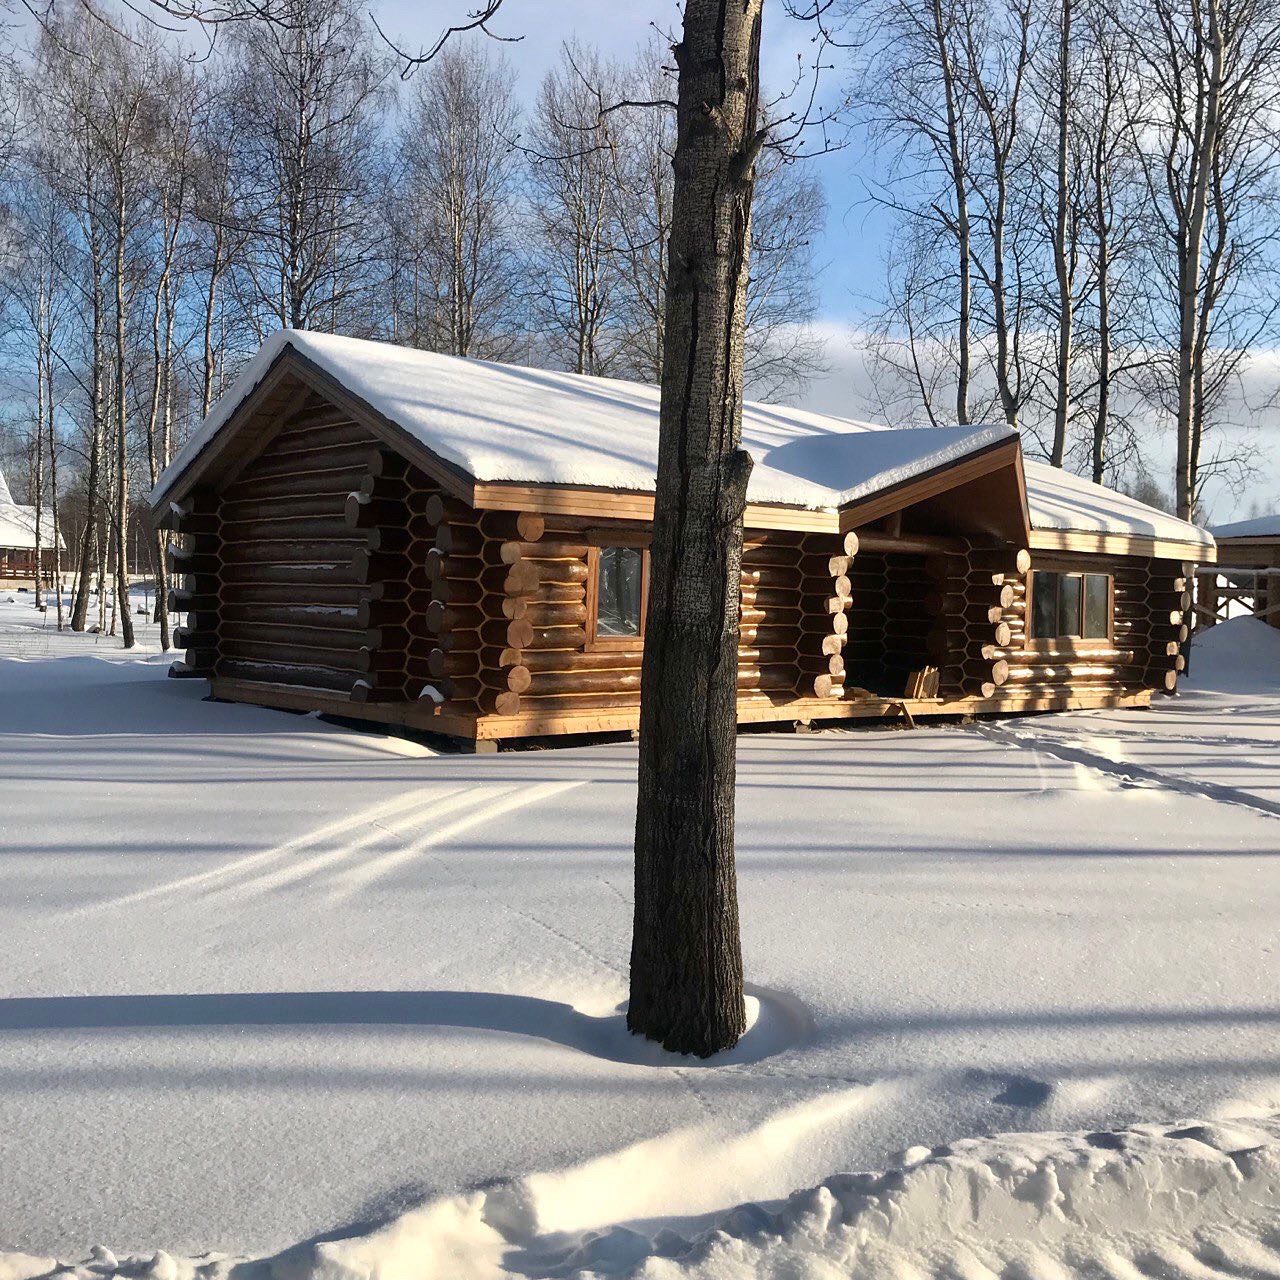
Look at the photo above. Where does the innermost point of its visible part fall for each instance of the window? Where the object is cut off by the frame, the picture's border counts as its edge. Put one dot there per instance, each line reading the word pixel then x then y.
pixel 619 593
pixel 1070 606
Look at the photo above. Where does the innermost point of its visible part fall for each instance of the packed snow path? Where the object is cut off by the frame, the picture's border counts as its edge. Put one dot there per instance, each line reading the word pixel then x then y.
pixel 1065 923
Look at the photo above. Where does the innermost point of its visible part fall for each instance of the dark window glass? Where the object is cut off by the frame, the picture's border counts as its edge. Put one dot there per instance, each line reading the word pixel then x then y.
pixel 1044 604
pixel 1097 606
pixel 1069 605
pixel 618 610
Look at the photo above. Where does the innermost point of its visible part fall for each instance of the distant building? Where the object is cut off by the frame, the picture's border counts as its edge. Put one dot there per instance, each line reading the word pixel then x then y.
pixel 450 544
pixel 1246 579
pixel 18 549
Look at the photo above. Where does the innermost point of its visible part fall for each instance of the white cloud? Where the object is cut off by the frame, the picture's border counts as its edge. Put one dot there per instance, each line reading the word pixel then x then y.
pixel 847 389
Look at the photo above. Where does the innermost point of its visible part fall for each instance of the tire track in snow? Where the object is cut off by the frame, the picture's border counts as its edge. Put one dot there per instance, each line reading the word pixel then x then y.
pixel 506 800
pixel 328 852
pixel 246 865
pixel 1129 772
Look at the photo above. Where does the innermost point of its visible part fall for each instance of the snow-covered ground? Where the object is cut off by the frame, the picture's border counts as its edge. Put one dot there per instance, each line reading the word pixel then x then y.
pixel 269 986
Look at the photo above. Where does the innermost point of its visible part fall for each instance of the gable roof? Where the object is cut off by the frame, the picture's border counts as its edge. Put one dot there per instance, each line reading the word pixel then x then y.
pixel 498 423
pixel 505 423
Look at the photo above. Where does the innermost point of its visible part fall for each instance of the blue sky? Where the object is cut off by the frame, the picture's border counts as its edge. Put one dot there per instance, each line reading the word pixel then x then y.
pixel 850 256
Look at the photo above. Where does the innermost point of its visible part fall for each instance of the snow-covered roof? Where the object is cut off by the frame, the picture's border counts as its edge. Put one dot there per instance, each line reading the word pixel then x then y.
pixel 18 526
pixel 1258 527
pixel 506 423
pixel 18 523
pixel 501 422
pixel 1061 501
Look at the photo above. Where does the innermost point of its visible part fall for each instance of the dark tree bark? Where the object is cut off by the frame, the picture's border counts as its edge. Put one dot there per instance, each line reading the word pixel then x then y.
pixel 686 957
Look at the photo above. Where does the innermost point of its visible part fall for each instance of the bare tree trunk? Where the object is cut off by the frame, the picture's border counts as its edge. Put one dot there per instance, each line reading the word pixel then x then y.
pixel 1189 270
pixel 41 357
pixel 53 494
pixel 80 606
pixel 1062 256
pixel 686 957
pixel 964 264
pixel 122 453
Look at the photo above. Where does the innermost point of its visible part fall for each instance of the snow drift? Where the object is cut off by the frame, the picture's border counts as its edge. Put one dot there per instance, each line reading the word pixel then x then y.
pixel 1195 1199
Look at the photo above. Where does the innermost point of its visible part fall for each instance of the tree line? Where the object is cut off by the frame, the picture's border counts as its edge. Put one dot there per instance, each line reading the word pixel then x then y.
pixel 163 213
pixel 1083 196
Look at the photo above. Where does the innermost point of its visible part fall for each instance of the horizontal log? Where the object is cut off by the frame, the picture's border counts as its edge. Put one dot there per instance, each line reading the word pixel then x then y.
pixel 440 508
pixel 305 615
pixel 827 686
pixel 342 457
pixel 280 652
pixel 460 540
pixel 324 431
pixel 781 677
pixel 514 526
pixel 770 598
pixel 1000 559
pixel 382 613
pixel 181 601
pixel 1065 673
pixel 817 664
pixel 335 595
pixel 301 675
pixel 1049 689
pixel 291 552
pixel 546 613
pixel 771 576
pixel 181 560
pixel 390 540
pixel 328 637
pixel 552 637
pixel 568 660
pixel 381 662
pixel 201 661
pixel 1055 656
pixel 190 638
pixel 500 702
pixel 545 549
pixel 338 482
pixel 323 504
pixel 331 572
pixel 766 635
pixel 205 525
pixel 545 683
pixel 564 573
pixel 908 544
pixel 771 557
pixel 361 511
pixel 754 538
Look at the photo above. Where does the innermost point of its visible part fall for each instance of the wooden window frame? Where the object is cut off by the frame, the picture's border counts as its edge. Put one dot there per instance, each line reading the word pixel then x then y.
pixel 1076 644
pixel 597 543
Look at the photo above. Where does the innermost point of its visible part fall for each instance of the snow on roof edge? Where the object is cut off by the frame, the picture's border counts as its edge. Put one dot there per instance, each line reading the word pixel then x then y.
pixel 505 424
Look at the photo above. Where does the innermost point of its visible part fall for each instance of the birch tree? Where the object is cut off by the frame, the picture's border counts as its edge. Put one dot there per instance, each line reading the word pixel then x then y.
pixel 453 202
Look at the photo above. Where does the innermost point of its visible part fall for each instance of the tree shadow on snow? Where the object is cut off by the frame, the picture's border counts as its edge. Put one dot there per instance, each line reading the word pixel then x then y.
pixel 782 1021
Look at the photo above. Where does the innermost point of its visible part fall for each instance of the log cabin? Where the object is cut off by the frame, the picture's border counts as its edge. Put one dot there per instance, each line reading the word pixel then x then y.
pixel 20 550
pixel 458 546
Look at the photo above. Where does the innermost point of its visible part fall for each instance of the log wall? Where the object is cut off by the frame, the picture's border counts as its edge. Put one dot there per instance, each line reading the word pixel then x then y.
pixel 331 566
